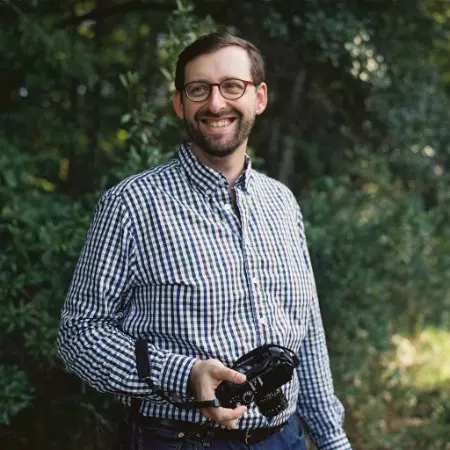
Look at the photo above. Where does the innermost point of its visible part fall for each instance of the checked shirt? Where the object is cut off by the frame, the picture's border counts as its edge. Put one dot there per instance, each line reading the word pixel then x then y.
pixel 171 257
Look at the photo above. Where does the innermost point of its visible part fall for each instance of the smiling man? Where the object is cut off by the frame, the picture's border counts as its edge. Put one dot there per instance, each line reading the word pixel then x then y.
pixel 220 115
pixel 203 261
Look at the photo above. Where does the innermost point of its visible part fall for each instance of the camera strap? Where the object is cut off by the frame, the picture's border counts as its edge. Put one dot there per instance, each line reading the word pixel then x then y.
pixel 144 371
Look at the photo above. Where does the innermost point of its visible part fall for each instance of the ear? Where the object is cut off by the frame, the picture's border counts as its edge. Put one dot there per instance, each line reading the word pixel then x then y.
pixel 261 98
pixel 178 105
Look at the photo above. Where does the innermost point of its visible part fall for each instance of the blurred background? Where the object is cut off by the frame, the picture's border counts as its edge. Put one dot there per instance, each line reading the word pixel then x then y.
pixel 357 126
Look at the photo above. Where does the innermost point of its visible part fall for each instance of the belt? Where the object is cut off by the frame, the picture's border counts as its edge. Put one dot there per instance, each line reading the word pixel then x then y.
pixel 200 431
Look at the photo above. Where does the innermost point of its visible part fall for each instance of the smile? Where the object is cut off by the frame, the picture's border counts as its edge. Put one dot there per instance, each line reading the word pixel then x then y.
pixel 222 123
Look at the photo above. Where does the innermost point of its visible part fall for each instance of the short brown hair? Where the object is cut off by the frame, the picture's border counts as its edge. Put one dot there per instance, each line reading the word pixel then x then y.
pixel 209 43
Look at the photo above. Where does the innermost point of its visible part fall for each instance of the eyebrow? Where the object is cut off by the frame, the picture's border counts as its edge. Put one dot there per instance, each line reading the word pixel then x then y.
pixel 228 77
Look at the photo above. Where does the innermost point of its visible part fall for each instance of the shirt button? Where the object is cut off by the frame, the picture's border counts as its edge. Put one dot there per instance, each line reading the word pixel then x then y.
pixel 262 321
pixel 227 207
pixel 255 280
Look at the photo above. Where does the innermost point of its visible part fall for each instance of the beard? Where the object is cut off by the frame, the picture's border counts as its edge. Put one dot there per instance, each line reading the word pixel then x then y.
pixel 220 145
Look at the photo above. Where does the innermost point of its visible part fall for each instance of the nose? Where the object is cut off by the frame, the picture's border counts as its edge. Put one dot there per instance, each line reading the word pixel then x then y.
pixel 215 100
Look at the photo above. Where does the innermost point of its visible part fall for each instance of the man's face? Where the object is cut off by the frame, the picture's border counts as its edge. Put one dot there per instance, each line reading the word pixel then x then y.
pixel 218 126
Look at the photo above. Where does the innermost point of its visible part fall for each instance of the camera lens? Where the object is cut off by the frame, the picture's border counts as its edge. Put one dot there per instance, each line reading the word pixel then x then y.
pixel 272 404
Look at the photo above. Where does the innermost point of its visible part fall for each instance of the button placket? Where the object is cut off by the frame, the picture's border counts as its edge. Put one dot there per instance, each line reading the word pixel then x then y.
pixel 247 248
pixel 258 301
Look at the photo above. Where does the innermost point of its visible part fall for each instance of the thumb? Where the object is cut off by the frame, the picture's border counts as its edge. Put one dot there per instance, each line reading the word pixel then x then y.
pixel 234 376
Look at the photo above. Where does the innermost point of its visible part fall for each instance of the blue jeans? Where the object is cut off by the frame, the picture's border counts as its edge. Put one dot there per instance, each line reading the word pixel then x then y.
pixel 289 438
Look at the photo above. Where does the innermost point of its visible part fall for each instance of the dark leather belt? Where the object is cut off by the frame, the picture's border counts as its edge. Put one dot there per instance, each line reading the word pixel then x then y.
pixel 200 431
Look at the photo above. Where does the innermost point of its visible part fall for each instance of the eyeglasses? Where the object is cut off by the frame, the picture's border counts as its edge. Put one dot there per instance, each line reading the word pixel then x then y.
pixel 231 89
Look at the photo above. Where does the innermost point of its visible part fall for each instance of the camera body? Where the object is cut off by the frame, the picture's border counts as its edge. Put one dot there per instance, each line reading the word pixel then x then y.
pixel 267 368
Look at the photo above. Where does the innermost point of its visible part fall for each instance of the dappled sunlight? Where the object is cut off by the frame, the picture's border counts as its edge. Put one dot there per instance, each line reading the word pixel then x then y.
pixel 423 360
pixel 400 398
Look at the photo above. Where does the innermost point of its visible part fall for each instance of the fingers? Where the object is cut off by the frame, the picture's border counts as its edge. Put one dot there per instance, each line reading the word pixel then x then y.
pixel 230 424
pixel 205 376
pixel 225 416
pixel 208 374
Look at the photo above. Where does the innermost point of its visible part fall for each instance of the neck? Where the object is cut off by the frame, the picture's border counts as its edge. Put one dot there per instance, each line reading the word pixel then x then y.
pixel 231 166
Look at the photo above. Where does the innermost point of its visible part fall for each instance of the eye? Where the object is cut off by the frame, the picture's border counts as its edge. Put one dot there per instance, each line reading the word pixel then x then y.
pixel 197 89
pixel 232 86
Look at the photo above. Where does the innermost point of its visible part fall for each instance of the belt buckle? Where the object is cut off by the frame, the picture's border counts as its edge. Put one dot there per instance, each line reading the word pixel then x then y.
pixel 248 435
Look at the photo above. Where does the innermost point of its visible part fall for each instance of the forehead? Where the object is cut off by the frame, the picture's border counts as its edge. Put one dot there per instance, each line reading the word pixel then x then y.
pixel 228 62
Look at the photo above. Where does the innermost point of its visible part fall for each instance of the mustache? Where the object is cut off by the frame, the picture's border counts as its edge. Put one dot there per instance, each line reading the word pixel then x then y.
pixel 210 115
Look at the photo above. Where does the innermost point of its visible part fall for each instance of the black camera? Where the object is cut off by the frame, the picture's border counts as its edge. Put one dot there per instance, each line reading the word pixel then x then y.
pixel 267 368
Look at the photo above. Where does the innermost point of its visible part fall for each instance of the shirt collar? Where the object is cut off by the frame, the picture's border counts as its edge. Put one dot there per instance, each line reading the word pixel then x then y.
pixel 208 180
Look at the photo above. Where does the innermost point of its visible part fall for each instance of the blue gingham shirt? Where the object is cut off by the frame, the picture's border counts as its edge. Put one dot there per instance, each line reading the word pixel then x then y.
pixel 170 256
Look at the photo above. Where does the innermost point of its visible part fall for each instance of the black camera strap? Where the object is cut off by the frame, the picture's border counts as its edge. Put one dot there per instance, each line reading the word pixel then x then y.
pixel 144 371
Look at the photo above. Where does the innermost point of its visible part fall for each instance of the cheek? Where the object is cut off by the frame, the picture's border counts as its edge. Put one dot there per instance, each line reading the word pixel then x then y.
pixel 243 108
pixel 190 112
pixel 250 109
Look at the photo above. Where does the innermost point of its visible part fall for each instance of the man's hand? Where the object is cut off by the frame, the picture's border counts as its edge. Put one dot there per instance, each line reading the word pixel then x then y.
pixel 206 375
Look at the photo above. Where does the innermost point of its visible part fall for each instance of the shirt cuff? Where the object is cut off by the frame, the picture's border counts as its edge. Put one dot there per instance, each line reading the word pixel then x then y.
pixel 339 443
pixel 171 372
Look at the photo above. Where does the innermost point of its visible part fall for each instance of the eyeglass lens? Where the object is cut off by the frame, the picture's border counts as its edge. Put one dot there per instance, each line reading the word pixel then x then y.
pixel 230 89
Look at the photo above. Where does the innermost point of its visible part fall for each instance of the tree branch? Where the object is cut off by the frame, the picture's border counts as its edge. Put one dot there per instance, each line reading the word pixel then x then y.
pixel 287 164
pixel 121 8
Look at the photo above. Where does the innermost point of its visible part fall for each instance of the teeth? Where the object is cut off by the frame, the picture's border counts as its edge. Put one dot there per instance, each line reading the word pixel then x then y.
pixel 219 123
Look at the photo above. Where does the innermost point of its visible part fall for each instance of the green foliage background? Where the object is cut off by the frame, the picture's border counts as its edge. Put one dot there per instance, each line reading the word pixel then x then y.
pixel 357 126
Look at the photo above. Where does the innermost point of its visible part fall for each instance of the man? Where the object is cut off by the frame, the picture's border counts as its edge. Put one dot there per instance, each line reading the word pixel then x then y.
pixel 206 259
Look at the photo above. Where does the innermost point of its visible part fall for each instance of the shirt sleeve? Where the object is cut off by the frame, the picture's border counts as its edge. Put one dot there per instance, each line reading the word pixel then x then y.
pixel 318 406
pixel 90 340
